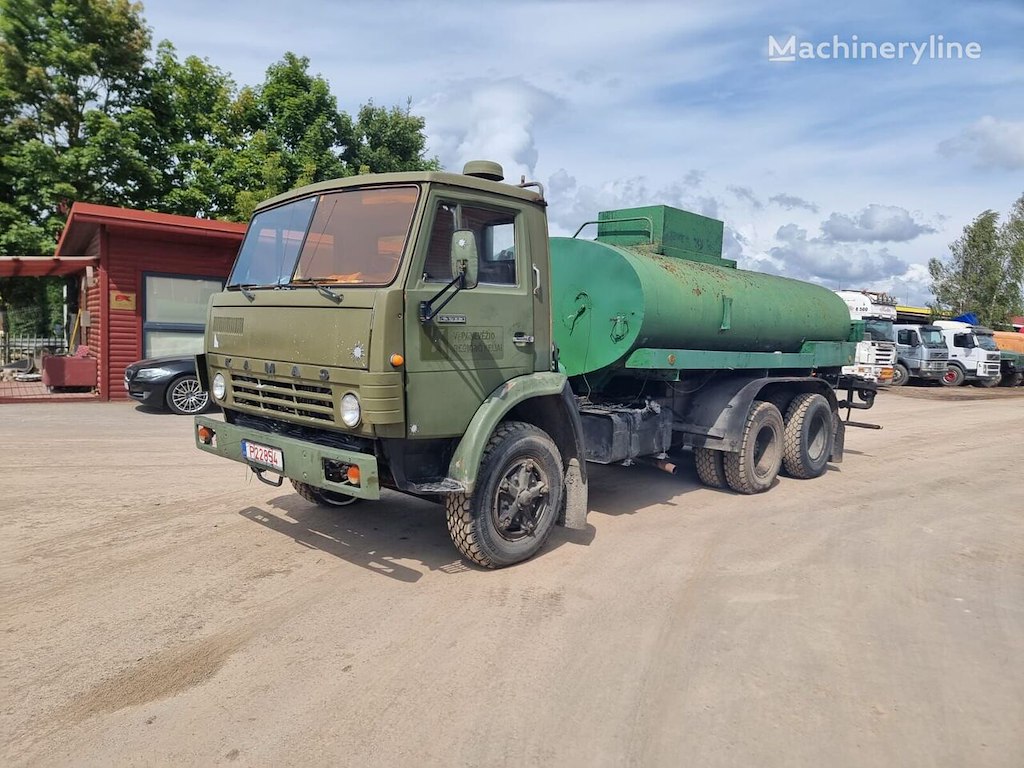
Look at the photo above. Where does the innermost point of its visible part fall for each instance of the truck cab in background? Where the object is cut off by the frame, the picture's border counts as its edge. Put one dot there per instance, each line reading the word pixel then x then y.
pixel 973 354
pixel 920 353
pixel 1011 352
pixel 876 354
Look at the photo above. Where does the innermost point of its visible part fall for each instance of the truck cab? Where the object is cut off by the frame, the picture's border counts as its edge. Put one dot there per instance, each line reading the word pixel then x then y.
pixel 920 353
pixel 875 358
pixel 973 354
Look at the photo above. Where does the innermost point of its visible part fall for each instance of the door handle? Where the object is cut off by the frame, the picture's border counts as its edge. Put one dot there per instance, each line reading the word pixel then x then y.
pixel 520 339
pixel 536 280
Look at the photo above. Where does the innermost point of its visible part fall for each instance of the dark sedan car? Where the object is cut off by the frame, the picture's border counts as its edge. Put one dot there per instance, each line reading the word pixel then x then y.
pixel 167 382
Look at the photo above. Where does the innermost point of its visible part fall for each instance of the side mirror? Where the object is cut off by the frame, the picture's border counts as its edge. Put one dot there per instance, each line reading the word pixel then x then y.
pixel 914 341
pixel 464 257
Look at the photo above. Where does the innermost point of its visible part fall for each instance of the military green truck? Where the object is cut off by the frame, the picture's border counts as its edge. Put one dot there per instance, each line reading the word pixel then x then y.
pixel 421 332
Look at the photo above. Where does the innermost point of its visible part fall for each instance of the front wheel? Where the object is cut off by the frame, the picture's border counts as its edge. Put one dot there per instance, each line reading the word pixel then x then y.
pixel 186 397
pixel 512 510
pixel 953 377
pixel 755 466
pixel 900 375
pixel 322 497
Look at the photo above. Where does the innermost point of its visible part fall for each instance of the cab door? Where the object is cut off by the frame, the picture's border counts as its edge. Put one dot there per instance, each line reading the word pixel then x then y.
pixel 484 335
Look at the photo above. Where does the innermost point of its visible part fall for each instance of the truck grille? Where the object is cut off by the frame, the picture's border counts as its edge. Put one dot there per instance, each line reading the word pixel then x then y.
pixel 885 355
pixel 311 401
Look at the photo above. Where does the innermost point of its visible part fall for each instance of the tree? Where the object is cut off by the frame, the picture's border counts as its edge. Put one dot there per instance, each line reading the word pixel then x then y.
pixel 984 272
pixel 70 77
pixel 89 113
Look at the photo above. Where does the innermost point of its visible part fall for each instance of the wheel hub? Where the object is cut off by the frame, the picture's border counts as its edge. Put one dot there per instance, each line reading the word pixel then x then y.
pixel 520 500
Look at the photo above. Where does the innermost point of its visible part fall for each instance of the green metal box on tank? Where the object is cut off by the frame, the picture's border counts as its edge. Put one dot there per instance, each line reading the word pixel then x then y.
pixel 654 280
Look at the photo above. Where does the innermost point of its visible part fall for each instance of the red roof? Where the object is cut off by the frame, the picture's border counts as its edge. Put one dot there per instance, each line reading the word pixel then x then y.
pixel 44 266
pixel 86 217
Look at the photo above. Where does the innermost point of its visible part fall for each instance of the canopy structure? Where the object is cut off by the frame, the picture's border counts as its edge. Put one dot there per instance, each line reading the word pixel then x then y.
pixel 45 266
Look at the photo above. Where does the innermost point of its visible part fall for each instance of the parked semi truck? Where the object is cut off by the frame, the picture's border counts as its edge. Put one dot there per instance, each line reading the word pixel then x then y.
pixel 1011 357
pixel 875 358
pixel 920 353
pixel 973 354
pixel 421 332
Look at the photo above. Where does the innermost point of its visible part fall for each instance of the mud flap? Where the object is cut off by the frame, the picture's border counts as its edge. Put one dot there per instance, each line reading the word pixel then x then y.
pixel 839 440
pixel 574 514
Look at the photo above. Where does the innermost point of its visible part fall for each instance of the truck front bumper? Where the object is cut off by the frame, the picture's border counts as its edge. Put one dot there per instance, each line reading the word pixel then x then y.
pixel 302 461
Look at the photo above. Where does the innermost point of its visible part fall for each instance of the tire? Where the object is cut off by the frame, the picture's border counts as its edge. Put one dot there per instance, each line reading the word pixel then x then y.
pixel 755 466
pixel 1012 379
pixel 808 436
pixel 489 527
pixel 953 377
pixel 900 375
pixel 185 396
pixel 322 497
pixel 710 467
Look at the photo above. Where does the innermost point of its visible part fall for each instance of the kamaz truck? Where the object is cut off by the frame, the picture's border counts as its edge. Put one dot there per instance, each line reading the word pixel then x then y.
pixel 875 358
pixel 973 354
pixel 920 354
pixel 421 332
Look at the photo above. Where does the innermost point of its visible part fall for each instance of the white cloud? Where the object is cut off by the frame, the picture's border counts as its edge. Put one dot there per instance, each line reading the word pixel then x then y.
pixel 487 120
pixel 874 224
pixel 992 143
pixel 821 260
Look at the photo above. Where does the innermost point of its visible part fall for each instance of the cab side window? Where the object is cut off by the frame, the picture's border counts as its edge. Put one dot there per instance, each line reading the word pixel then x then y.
pixel 495 242
pixel 903 337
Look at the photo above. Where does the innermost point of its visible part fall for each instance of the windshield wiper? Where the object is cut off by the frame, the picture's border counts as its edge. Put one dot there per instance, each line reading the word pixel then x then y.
pixel 244 289
pixel 322 289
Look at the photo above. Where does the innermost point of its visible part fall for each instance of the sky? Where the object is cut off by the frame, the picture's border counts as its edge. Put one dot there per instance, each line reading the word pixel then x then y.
pixel 849 166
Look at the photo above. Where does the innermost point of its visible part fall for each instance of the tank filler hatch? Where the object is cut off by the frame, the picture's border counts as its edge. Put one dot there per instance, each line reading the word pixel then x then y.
pixel 677 233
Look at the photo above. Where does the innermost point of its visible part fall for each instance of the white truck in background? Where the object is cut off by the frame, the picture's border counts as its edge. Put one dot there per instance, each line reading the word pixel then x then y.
pixel 875 357
pixel 973 354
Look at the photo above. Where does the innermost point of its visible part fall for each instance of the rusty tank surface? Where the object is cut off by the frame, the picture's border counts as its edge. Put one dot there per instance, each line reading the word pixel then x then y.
pixel 655 278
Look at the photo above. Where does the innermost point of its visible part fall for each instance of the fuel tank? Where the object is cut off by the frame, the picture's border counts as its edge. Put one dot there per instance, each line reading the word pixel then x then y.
pixel 664 289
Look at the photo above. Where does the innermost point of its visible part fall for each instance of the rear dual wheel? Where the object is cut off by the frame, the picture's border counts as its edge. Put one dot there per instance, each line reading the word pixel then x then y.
pixel 754 467
pixel 808 437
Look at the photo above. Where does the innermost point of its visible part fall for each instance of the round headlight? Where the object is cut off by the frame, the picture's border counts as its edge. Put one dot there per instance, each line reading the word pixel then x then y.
pixel 350 410
pixel 219 387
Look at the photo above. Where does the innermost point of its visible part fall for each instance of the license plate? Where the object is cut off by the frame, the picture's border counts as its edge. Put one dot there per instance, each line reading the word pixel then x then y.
pixel 262 454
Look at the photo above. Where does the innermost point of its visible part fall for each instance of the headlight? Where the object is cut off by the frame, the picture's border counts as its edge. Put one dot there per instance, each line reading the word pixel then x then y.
pixel 219 387
pixel 350 410
pixel 153 373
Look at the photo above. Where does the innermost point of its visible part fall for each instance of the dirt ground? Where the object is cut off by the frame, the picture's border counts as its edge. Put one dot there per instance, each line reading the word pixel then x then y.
pixel 160 607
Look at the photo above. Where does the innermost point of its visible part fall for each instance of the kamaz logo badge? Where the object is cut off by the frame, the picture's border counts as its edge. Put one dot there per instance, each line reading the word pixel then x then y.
pixel 452 319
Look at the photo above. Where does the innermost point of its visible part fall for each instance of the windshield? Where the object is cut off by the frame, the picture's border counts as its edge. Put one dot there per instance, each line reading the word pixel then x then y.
pixel 354 237
pixel 932 337
pixel 878 330
pixel 986 341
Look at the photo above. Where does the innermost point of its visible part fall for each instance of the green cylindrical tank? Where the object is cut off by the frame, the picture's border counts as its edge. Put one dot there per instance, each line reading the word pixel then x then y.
pixel 609 300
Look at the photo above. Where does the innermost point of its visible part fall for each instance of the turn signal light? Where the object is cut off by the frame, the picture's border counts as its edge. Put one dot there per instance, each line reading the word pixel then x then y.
pixel 397 361
pixel 353 475
pixel 205 434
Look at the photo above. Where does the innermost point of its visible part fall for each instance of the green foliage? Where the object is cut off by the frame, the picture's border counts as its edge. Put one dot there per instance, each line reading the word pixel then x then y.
pixel 70 81
pixel 89 112
pixel 985 272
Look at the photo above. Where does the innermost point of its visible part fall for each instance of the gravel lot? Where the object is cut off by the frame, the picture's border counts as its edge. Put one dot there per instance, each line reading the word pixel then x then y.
pixel 160 606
